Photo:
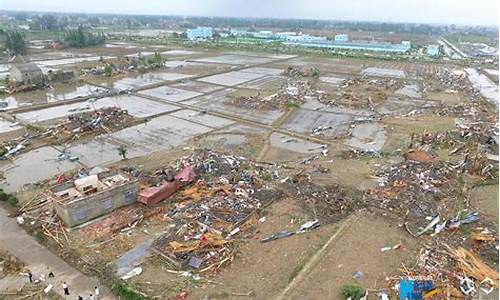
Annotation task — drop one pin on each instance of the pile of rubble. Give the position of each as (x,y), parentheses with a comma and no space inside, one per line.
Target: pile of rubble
(301,72)
(451,81)
(293,92)
(411,188)
(328,204)
(351,91)
(218,207)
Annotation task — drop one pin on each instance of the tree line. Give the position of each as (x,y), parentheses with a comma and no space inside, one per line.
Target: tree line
(78,38)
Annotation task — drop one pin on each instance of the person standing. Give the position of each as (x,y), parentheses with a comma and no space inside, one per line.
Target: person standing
(91,297)
(30,276)
(65,288)
(96,292)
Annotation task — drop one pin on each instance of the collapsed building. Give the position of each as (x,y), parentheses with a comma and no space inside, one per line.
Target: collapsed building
(87,198)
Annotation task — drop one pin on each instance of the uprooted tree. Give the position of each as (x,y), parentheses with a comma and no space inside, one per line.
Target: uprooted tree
(122,151)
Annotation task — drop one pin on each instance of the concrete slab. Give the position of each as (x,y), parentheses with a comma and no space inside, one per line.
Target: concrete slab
(263,71)
(289,143)
(410,90)
(232,78)
(170,94)
(33,166)
(396,106)
(179,52)
(486,86)
(332,80)
(381,72)
(368,137)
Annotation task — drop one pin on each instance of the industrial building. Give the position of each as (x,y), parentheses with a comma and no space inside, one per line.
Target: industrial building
(87,198)
(263,34)
(403,47)
(433,50)
(301,38)
(200,33)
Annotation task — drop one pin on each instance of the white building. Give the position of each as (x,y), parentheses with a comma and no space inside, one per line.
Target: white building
(341,38)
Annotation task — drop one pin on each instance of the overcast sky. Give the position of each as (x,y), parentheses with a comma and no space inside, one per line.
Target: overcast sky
(476,12)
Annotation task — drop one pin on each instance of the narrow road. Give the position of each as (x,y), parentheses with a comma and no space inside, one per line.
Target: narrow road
(37,258)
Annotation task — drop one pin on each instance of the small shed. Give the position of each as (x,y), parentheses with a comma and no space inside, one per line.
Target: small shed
(27,73)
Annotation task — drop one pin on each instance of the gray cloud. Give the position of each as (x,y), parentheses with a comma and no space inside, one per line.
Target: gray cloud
(483,12)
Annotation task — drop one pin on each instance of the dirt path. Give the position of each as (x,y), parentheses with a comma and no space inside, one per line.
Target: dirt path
(37,258)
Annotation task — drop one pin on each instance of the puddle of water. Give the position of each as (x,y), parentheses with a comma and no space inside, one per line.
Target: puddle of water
(69,61)
(34,166)
(229,140)
(179,52)
(65,92)
(160,133)
(200,118)
(142,80)
(136,106)
(7,126)
(59,92)
(132,258)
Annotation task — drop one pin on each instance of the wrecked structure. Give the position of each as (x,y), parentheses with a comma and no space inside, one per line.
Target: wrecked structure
(26,73)
(87,198)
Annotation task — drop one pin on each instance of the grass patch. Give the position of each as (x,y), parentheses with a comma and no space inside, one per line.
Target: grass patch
(123,291)
(352,291)
(11,199)
(291,105)
(39,237)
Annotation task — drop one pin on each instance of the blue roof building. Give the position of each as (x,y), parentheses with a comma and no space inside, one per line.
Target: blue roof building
(200,33)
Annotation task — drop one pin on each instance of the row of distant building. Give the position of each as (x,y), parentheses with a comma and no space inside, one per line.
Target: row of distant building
(340,41)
